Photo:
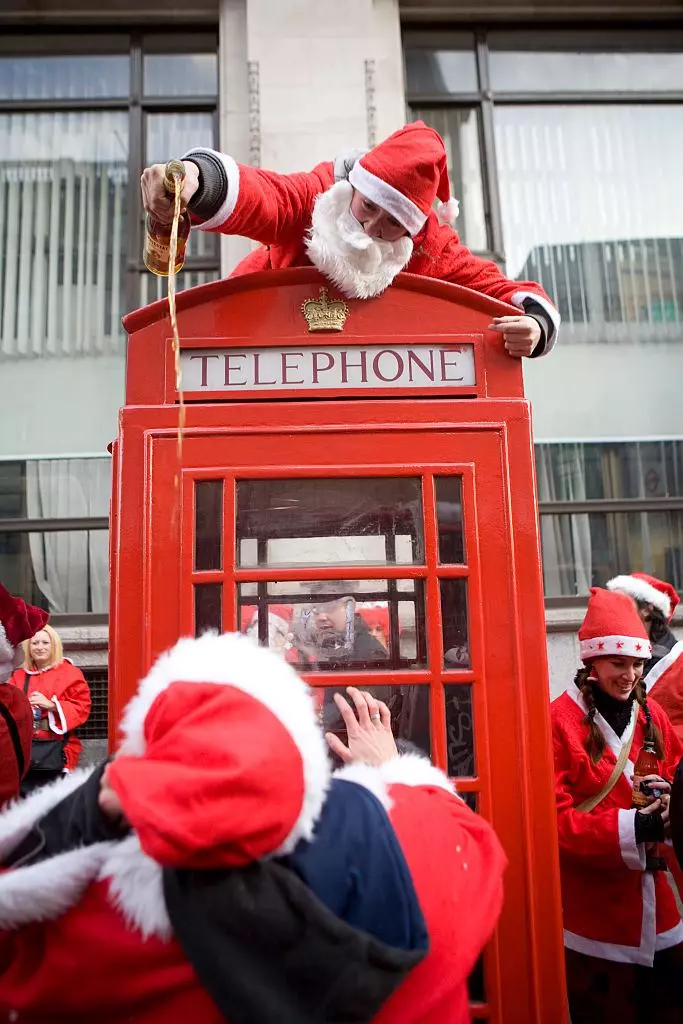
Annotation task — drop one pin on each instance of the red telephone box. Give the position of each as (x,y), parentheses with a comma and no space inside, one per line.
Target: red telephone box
(355,485)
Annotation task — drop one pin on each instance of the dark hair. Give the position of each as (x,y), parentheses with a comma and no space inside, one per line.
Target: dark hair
(595,741)
(657,626)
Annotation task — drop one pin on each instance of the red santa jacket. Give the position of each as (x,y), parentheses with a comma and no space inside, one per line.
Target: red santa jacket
(665,683)
(65,686)
(613,908)
(219,774)
(16,733)
(275,210)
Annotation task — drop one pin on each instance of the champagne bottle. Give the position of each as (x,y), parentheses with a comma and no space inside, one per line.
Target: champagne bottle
(158,235)
(646,764)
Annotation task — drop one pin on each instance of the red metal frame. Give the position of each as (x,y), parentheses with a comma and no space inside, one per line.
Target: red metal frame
(486,440)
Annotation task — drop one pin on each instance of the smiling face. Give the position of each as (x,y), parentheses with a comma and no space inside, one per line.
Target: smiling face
(40,649)
(617,675)
(377,223)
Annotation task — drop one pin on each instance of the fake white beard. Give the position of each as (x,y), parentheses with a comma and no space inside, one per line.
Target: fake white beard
(360,266)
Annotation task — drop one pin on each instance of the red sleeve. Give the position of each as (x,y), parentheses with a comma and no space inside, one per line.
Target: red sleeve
(17,705)
(73,704)
(603,837)
(471,271)
(272,208)
(452,853)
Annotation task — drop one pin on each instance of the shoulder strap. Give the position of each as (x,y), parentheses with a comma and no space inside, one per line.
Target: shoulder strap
(14,737)
(593,801)
(26,682)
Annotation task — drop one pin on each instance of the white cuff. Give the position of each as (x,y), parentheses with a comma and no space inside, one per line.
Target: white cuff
(632,852)
(62,728)
(228,205)
(518,299)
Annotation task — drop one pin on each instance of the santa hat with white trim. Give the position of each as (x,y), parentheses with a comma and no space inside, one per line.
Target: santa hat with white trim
(405,174)
(222,760)
(642,587)
(18,621)
(612,626)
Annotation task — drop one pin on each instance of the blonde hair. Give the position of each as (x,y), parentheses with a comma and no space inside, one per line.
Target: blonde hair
(57,651)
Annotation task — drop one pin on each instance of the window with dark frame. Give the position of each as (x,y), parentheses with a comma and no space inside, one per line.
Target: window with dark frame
(153,96)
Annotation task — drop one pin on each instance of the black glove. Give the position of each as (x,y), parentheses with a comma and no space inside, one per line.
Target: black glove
(649,827)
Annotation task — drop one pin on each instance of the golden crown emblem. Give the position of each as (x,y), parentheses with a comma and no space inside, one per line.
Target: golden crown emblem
(325,315)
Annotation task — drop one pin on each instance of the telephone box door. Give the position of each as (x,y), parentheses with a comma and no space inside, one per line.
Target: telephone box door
(381,557)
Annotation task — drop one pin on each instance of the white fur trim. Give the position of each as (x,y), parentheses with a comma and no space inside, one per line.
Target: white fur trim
(17,820)
(555,319)
(415,770)
(232,659)
(136,888)
(674,936)
(658,670)
(447,213)
(369,777)
(626,646)
(389,198)
(641,954)
(6,656)
(641,590)
(633,853)
(228,205)
(60,729)
(45,891)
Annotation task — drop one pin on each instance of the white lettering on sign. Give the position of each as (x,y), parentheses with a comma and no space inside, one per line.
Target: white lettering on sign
(272,369)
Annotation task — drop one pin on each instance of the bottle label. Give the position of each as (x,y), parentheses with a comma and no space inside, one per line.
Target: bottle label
(638,798)
(158,251)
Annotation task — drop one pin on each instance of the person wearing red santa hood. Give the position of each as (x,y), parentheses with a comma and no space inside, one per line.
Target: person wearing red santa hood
(18,622)
(358,221)
(623,932)
(663,675)
(215,871)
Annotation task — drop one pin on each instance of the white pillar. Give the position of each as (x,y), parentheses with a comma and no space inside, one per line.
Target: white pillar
(233,105)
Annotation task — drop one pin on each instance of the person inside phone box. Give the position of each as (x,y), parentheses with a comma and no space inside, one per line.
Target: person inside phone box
(615,754)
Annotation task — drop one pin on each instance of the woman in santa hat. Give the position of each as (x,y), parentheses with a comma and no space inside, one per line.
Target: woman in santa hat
(657,601)
(214,871)
(18,622)
(623,932)
(359,222)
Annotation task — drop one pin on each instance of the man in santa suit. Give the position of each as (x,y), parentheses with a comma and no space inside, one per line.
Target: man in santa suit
(18,621)
(215,871)
(359,222)
(663,675)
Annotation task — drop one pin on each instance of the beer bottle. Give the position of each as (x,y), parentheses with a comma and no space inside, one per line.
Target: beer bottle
(158,235)
(646,764)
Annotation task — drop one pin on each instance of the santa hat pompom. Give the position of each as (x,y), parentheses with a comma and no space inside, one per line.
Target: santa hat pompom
(447,212)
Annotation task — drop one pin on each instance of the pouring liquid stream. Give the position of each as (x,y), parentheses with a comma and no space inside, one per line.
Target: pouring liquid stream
(175,340)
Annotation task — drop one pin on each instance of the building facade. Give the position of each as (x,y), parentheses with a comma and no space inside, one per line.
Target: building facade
(564,128)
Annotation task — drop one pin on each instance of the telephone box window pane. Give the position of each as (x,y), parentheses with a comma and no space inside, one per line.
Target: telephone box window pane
(449,517)
(456,645)
(408,705)
(472,800)
(459,730)
(208,524)
(208,607)
(369,521)
(476,983)
(338,625)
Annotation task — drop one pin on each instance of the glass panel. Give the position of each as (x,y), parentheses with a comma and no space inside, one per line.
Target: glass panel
(454,622)
(208,504)
(12,490)
(371,521)
(66,572)
(443,69)
(68,78)
(567,176)
(471,799)
(180,74)
(336,626)
(476,983)
(63,196)
(584,550)
(450,520)
(153,288)
(172,135)
(459,730)
(610,469)
(571,62)
(410,714)
(208,610)
(459,129)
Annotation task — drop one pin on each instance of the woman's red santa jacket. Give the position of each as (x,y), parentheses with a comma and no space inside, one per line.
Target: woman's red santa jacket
(65,686)
(613,907)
